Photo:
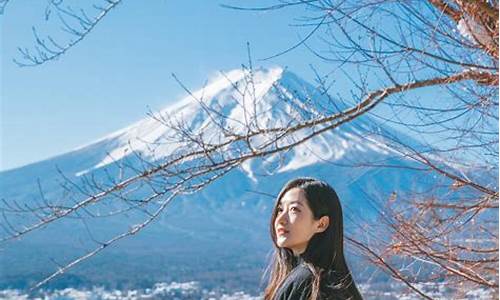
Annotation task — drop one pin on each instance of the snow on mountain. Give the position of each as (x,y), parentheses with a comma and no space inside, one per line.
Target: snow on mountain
(276,96)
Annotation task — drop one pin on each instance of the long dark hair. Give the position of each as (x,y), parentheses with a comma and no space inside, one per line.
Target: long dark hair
(324,254)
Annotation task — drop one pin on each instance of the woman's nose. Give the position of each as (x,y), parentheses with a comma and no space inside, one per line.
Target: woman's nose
(281,218)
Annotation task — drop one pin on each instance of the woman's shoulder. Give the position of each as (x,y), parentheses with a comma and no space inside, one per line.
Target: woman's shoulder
(301,274)
(297,285)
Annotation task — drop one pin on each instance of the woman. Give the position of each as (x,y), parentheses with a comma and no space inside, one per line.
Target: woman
(307,231)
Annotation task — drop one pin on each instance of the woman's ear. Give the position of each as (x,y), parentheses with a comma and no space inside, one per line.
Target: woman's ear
(323,223)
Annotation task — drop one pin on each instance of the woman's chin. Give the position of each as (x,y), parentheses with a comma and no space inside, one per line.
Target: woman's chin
(281,243)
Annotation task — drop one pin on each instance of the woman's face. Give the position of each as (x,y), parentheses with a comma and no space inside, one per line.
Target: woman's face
(294,224)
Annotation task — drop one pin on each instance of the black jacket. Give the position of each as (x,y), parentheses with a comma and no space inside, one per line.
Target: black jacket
(298,285)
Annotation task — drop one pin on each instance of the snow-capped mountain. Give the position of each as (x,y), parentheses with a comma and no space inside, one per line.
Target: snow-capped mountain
(279,97)
(219,234)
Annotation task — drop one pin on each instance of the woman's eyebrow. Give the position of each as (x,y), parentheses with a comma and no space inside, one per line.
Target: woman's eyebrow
(292,202)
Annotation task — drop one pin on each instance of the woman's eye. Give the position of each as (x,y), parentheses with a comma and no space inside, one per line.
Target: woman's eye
(295,209)
(280,209)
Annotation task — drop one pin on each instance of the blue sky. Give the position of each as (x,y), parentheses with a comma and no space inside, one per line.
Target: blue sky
(124,67)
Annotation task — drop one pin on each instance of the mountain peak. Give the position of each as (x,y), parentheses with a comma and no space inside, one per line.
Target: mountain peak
(262,79)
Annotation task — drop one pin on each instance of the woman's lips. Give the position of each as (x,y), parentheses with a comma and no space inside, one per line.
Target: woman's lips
(281,231)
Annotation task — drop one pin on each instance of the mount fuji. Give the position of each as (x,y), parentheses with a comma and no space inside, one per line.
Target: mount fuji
(218,236)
